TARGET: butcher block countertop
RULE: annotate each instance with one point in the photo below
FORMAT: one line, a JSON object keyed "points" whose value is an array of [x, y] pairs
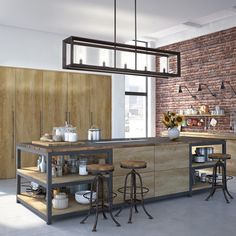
{"points": [[227, 136], [116, 143]]}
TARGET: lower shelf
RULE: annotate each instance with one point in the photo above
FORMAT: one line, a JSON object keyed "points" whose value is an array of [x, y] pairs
{"points": [[200, 185], [40, 205]]}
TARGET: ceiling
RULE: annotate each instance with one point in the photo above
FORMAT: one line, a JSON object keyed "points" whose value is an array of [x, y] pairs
{"points": [[94, 18]]}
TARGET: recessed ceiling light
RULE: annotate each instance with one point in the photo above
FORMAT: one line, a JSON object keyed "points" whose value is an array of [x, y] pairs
{"points": [[192, 24]]}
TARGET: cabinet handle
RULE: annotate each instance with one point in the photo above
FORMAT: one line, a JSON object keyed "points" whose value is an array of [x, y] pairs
{"points": [[40, 117], [69, 117], [13, 135]]}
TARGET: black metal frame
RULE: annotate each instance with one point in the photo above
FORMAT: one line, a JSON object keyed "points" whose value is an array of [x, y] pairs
{"points": [[114, 46]]}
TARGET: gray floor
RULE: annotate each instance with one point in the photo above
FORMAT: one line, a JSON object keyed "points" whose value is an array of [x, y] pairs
{"points": [[176, 217]]}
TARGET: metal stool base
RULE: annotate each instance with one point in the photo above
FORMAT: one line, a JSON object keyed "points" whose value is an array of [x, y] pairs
{"points": [[100, 207], [133, 200], [221, 167]]}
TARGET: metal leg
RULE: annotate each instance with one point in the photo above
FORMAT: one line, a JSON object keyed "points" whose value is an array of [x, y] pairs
{"points": [[102, 197], [124, 195], [142, 201], [97, 203], [90, 201], [49, 189], [135, 195], [18, 177], [224, 182], [131, 198], [109, 197], [213, 184]]}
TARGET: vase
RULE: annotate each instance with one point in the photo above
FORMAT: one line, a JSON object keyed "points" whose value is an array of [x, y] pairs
{"points": [[43, 164], [173, 133]]}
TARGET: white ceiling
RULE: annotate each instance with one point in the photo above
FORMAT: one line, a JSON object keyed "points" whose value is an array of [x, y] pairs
{"points": [[94, 18]]}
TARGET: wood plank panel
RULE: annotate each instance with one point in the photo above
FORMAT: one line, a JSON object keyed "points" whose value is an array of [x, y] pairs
{"points": [[171, 181], [100, 103], [54, 100], [145, 153], [79, 103], [7, 122], [148, 181], [171, 157], [28, 107], [231, 164]]}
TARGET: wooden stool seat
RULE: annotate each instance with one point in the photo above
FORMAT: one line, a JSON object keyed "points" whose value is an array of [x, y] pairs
{"points": [[133, 164], [100, 168], [219, 156]]}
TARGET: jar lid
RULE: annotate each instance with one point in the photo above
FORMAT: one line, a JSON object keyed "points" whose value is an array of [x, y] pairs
{"points": [[60, 196]]}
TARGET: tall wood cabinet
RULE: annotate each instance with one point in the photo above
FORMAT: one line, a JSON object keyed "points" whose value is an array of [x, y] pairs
{"points": [[28, 109], [7, 122], [32, 102]]}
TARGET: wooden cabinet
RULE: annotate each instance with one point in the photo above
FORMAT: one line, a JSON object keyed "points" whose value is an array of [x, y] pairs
{"points": [[145, 153], [79, 103], [171, 169], [100, 103], [54, 100], [231, 164], [28, 108], [7, 122], [89, 103]]}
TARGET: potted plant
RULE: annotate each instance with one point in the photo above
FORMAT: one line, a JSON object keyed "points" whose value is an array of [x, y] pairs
{"points": [[172, 120]]}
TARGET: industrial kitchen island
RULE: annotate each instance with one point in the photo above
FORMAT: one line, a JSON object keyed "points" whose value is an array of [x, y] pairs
{"points": [[169, 173]]}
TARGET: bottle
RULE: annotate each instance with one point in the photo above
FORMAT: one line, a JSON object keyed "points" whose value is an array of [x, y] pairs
{"points": [[43, 165], [38, 163]]}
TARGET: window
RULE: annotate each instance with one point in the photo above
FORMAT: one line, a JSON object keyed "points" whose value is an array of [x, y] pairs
{"points": [[136, 101]]}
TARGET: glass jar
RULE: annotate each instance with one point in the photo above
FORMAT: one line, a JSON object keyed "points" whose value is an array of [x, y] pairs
{"points": [[83, 167]]}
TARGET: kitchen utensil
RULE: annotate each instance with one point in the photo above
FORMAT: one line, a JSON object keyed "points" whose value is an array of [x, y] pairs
{"points": [[73, 137], [83, 197], [94, 134], [83, 167], [60, 201], [203, 177], [199, 159]]}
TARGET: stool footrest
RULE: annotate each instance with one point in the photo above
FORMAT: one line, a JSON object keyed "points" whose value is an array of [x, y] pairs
{"points": [[122, 190]]}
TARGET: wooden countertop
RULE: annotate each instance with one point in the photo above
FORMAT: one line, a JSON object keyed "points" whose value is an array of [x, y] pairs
{"points": [[118, 143], [228, 136]]}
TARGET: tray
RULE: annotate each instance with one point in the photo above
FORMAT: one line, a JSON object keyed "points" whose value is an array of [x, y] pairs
{"points": [[56, 144]]}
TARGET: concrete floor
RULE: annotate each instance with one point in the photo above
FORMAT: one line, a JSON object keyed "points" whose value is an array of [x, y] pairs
{"points": [[175, 217]]}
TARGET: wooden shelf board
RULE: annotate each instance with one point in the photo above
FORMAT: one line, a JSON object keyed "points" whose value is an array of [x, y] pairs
{"points": [[204, 115], [40, 205], [32, 172], [208, 164], [200, 185]]}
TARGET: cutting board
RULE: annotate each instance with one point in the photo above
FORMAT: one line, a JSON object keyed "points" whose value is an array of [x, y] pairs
{"points": [[56, 144]]}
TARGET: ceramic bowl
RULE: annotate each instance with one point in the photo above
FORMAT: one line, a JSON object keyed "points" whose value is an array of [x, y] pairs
{"points": [[79, 197]]}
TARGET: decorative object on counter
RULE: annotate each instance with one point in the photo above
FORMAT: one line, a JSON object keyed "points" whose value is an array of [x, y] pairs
{"points": [[47, 138], [205, 85], [83, 197], [60, 201], [183, 86], [94, 134], [72, 45], [172, 120], [83, 166], [204, 109], [39, 162]]}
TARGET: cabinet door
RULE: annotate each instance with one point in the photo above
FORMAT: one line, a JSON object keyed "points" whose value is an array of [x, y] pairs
{"points": [[231, 164], [28, 108], [54, 110], [7, 145], [79, 103], [100, 103]]}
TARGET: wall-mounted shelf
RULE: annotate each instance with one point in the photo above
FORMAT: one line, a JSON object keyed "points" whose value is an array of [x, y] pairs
{"points": [[204, 115]]}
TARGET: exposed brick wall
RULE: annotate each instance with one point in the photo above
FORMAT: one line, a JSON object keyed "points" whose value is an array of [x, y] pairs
{"points": [[208, 59]]}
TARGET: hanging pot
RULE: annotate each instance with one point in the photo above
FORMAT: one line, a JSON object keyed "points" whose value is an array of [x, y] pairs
{"points": [[94, 134]]}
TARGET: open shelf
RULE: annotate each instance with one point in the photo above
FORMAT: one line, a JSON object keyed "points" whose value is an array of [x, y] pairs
{"points": [[33, 174], [204, 115], [201, 185], [207, 164], [40, 205]]}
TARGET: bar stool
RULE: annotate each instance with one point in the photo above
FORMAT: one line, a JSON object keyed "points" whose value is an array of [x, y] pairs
{"points": [[221, 166], [99, 170], [133, 200]]}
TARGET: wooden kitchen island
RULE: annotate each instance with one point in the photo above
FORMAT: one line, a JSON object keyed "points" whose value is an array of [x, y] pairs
{"points": [[168, 174]]}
